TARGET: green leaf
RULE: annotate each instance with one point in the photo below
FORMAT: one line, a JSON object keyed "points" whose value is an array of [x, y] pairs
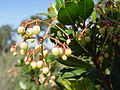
{"points": [[68, 14], [54, 7], [73, 62], [85, 8], [69, 32], [47, 14], [85, 84], [73, 74], [59, 4], [66, 83], [93, 16], [77, 49]]}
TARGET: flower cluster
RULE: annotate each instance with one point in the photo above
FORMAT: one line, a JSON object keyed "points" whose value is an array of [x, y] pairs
{"points": [[30, 55], [36, 56], [61, 51]]}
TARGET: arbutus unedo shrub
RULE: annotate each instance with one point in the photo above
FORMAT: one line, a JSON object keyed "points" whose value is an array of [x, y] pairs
{"points": [[86, 36]]}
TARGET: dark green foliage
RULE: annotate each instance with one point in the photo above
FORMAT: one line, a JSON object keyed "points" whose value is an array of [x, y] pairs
{"points": [[73, 62], [68, 14]]}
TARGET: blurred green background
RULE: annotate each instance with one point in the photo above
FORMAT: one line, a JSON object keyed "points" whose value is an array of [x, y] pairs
{"points": [[12, 13]]}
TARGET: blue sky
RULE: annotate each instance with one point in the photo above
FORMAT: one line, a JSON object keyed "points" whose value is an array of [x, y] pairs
{"points": [[14, 11]]}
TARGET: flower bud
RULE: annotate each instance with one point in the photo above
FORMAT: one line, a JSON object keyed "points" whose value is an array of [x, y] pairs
{"points": [[53, 77], [60, 49], [41, 78], [12, 49], [52, 82], [68, 51], [29, 31], [45, 70], [21, 30], [33, 64], [23, 52], [55, 51], [68, 41], [24, 45], [39, 64], [27, 60], [64, 57], [45, 53], [36, 29], [14, 53]]}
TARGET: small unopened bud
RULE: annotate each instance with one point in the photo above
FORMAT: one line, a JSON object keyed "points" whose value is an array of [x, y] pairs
{"points": [[68, 51], [53, 77], [60, 51], [45, 53], [33, 64], [45, 70], [39, 64], [36, 29], [14, 53], [12, 49], [24, 45], [41, 78], [27, 62], [68, 41], [21, 30], [23, 52], [55, 51], [64, 57], [29, 31]]}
